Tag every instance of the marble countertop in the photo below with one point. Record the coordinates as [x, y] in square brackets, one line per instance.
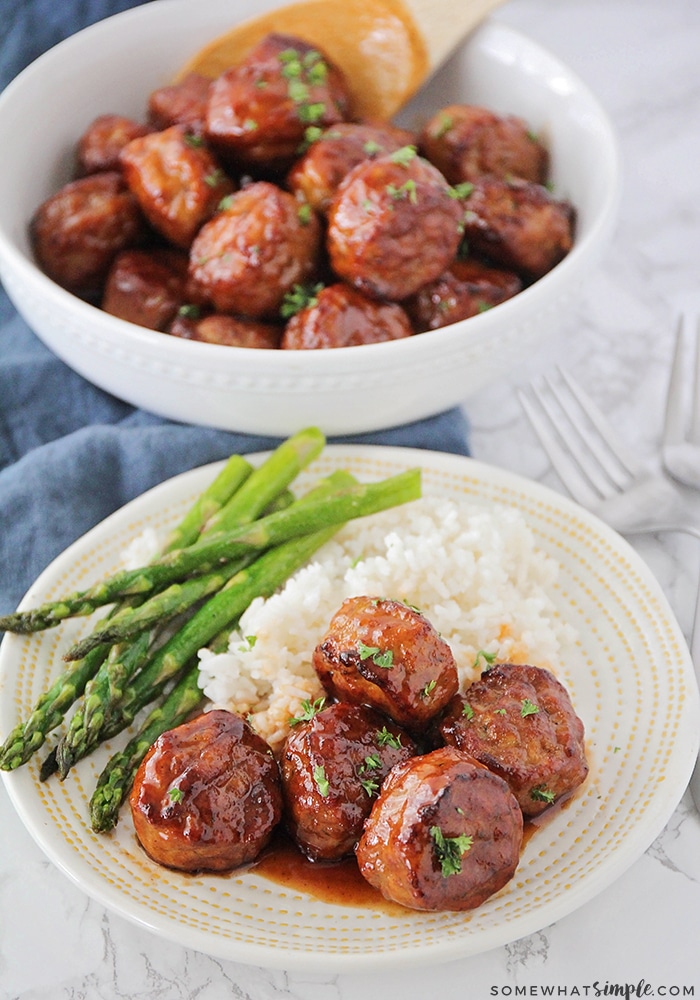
[640, 936]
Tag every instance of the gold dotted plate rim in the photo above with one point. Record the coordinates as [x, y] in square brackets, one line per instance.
[630, 677]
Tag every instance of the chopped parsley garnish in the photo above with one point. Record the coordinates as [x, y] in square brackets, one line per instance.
[429, 687]
[407, 190]
[308, 710]
[404, 155]
[387, 739]
[450, 850]
[369, 783]
[468, 711]
[298, 91]
[445, 123]
[321, 780]
[192, 140]
[483, 655]
[311, 135]
[175, 794]
[215, 178]
[382, 658]
[190, 311]
[310, 113]
[528, 708]
[462, 190]
[371, 147]
[302, 73]
[225, 203]
[304, 213]
[542, 794]
[300, 297]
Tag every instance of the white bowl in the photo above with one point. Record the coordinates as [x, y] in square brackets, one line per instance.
[112, 67]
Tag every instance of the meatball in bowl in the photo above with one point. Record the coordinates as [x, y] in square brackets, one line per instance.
[248, 252]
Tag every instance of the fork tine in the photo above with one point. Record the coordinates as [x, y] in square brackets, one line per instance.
[561, 457]
[615, 446]
[695, 412]
[674, 420]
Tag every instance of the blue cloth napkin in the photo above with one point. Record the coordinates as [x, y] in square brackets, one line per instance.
[70, 454]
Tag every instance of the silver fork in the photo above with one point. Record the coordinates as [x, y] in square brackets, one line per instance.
[597, 468]
[603, 476]
[681, 436]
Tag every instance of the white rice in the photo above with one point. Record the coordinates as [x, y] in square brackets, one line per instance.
[473, 571]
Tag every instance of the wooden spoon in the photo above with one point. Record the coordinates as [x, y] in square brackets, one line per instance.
[386, 48]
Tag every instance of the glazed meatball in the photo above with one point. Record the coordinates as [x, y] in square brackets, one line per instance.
[146, 287]
[444, 834]
[230, 331]
[333, 766]
[519, 722]
[465, 289]
[386, 654]
[77, 232]
[317, 174]
[178, 182]
[207, 795]
[250, 255]
[466, 142]
[182, 103]
[393, 226]
[518, 225]
[102, 142]
[340, 316]
[258, 111]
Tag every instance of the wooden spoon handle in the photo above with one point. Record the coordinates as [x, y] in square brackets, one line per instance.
[444, 24]
[386, 48]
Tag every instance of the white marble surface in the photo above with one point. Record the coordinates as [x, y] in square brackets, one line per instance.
[641, 58]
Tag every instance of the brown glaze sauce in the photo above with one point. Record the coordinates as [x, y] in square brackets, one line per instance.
[376, 43]
[340, 882]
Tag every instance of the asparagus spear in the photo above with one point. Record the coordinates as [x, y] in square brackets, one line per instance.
[349, 502]
[107, 685]
[106, 689]
[221, 611]
[50, 709]
[209, 503]
[179, 597]
[206, 517]
[115, 781]
[269, 480]
[158, 610]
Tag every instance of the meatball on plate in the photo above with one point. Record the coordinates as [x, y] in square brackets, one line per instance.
[519, 722]
[207, 795]
[444, 834]
[333, 767]
[386, 654]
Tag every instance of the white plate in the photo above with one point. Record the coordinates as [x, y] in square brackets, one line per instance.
[630, 679]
